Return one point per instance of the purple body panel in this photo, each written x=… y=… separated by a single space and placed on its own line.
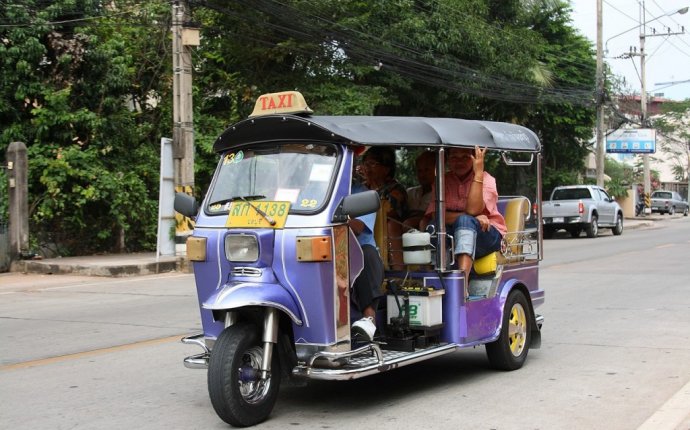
x=305 y=291
x=479 y=321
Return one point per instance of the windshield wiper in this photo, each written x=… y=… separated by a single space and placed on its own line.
x=247 y=199
x=259 y=211
x=235 y=198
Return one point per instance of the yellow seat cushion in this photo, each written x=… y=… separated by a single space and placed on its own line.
x=486 y=264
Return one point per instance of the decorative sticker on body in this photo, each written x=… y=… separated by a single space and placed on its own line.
x=233 y=157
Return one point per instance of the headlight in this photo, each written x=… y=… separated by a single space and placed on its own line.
x=242 y=248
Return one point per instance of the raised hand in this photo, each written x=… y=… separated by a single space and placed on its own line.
x=478 y=162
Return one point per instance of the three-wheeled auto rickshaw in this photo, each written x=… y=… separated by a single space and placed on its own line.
x=274 y=259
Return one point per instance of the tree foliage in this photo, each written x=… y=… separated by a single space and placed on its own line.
x=87 y=85
x=674 y=137
x=65 y=92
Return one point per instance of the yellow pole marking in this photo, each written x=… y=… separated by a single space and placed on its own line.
x=77 y=355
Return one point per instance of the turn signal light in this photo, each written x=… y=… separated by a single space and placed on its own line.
x=196 y=248
x=314 y=248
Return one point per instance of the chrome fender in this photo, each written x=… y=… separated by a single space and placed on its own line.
x=241 y=294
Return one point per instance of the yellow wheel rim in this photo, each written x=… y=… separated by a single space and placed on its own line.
x=517 y=329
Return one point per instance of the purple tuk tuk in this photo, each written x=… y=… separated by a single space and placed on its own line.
x=274 y=259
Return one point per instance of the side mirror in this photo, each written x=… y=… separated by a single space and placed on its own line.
x=355 y=205
x=186 y=205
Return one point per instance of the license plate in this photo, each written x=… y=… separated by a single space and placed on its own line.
x=263 y=214
x=559 y=219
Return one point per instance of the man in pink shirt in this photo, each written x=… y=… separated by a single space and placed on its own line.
x=471 y=207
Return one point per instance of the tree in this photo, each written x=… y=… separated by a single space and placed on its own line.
x=474 y=59
x=672 y=126
x=87 y=85
x=68 y=75
x=565 y=129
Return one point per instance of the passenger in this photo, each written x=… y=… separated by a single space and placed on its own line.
x=366 y=289
x=471 y=208
x=419 y=196
x=378 y=169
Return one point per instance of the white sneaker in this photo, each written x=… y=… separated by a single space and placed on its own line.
x=364 y=329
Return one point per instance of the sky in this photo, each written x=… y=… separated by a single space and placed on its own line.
x=668 y=57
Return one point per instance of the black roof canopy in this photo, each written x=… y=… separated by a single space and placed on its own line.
x=380 y=131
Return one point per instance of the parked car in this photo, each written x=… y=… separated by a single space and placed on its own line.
x=668 y=202
x=581 y=207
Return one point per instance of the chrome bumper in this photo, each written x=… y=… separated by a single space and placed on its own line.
x=360 y=364
x=198 y=361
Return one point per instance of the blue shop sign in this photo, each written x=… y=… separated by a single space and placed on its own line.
x=637 y=141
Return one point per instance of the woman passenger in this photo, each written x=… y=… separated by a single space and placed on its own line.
x=378 y=169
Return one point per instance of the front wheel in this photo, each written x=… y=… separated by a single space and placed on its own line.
x=685 y=211
x=509 y=351
x=592 y=228
x=238 y=393
x=618 y=229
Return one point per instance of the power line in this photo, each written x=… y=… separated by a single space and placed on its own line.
x=400 y=58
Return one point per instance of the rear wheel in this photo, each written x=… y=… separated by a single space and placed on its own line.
x=618 y=228
x=509 y=351
x=685 y=211
x=671 y=210
x=238 y=394
x=575 y=232
x=592 y=228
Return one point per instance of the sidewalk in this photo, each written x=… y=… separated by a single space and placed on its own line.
x=111 y=265
x=639 y=222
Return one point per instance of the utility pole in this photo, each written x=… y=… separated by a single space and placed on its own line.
x=183 y=127
x=643 y=90
x=601 y=150
x=643 y=108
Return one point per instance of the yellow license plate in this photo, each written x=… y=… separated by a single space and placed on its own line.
x=258 y=214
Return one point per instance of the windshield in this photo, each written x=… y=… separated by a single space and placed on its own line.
x=299 y=173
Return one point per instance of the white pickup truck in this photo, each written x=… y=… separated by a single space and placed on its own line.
x=581 y=207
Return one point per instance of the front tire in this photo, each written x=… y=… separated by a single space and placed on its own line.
x=510 y=350
x=592 y=228
x=618 y=229
x=238 y=394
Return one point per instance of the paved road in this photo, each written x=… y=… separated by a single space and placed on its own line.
x=98 y=353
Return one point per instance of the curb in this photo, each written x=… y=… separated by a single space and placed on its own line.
x=114 y=270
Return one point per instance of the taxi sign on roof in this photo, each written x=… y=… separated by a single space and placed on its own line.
x=284 y=102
